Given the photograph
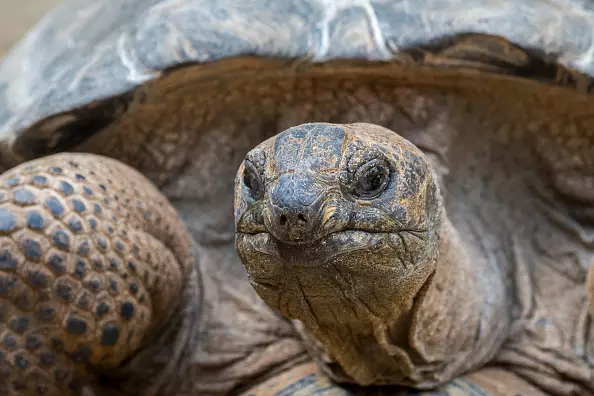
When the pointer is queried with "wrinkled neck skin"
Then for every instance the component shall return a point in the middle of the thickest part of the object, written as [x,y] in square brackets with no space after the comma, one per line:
[452,321]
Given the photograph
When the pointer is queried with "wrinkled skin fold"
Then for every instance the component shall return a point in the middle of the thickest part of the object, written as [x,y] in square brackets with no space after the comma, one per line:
[360,272]
[344,229]
[513,161]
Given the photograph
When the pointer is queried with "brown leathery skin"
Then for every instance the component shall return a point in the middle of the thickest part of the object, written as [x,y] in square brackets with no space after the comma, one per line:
[441,116]
[93,260]
[359,262]
[468,311]
[481,131]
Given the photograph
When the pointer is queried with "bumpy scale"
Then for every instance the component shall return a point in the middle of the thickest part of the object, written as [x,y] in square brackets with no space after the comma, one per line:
[87,246]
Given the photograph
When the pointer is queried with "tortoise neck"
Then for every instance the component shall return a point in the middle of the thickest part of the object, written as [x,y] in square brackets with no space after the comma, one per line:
[461,315]
[404,348]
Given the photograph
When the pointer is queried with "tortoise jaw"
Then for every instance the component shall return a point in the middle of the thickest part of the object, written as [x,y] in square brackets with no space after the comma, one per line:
[304,280]
[297,237]
[314,252]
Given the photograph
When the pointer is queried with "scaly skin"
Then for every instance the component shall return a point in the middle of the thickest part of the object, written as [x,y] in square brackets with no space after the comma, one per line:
[372,255]
[363,259]
[93,260]
[485,137]
[395,292]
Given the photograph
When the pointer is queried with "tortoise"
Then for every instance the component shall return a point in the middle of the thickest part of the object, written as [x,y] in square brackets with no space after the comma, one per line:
[268,197]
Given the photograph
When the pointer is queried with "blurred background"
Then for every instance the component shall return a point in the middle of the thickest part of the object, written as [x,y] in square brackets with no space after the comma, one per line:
[18,16]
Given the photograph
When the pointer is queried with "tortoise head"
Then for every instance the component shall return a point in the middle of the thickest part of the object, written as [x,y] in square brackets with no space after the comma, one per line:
[340,218]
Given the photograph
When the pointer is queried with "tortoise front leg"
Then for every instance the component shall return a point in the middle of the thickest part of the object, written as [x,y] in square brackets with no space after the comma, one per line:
[87,246]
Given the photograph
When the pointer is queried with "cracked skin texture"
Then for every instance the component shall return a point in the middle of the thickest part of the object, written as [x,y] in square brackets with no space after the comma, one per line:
[278,360]
[165,87]
[343,228]
[242,343]
[513,161]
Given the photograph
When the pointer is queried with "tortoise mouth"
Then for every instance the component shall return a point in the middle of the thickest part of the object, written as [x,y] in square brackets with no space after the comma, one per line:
[313,277]
[263,246]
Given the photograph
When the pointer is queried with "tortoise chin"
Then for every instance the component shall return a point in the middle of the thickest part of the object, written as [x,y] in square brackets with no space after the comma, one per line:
[345,270]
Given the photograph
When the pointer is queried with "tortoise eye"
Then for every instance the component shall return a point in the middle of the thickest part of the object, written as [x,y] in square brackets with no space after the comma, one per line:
[252,180]
[371,179]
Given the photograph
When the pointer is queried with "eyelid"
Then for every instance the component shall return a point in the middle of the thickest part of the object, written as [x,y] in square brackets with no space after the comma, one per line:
[366,165]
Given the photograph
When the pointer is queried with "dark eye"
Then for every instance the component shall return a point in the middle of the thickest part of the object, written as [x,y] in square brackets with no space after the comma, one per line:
[252,180]
[371,178]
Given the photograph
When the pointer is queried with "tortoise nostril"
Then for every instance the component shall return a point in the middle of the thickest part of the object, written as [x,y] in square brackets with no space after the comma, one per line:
[292,220]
